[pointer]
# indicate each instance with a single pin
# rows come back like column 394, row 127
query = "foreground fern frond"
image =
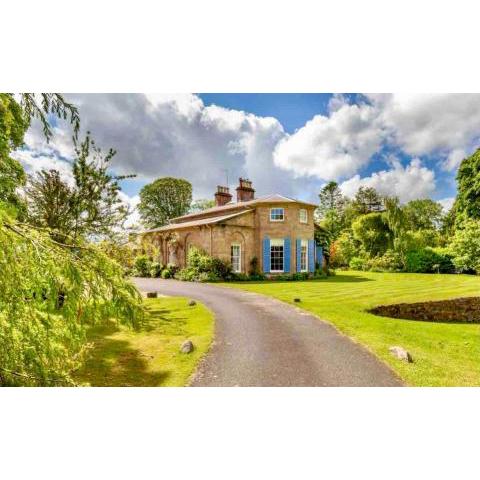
column 49, row 294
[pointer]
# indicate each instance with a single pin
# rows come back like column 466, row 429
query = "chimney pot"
column 222, row 196
column 245, row 191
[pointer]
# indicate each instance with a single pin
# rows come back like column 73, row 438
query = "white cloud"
column 422, row 124
column 407, row 183
column 447, row 203
column 342, row 143
column 34, row 162
column 332, row 147
column 453, row 160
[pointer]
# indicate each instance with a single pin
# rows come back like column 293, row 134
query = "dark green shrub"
column 258, row 277
column 291, row 277
column 240, row 277
column 169, row 271
column 429, row 260
column 282, row 277
column 156, row 269
column 220, row 268
column 300, row 276
column 204, row 268
column 142, row 266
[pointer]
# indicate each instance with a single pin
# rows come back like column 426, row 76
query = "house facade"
column 278, row 231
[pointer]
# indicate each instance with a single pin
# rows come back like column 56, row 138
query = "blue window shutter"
column 286, row 255
column 311, row 255
column 319, row 255
column 299, row 252
column 266, row 255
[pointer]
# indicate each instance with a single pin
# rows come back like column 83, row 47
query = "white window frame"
column 239, row 270
column 303, row 211
column 304, row 244
column 277, row 242
column 277, row 219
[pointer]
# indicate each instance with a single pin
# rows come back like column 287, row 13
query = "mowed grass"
column 444, row 354
column 149, row 356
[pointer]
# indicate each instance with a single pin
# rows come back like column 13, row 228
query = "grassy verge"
column 149, row 357
column 444, row 354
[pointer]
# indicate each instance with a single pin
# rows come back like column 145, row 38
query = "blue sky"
column 408, row 145
column 292, row 110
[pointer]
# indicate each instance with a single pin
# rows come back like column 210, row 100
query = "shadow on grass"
column 114, row 363
column 161, row 319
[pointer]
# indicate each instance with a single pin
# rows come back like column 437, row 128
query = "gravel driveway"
column 260, row 341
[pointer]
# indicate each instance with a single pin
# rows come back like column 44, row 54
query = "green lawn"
column 150, row 356
column 444, row 354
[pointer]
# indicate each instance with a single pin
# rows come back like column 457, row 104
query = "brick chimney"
column 222, row 196
column 245, row 192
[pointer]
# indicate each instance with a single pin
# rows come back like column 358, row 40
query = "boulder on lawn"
column 152, row 294
column 192, row 303
column 401, row 354
column 187, row 347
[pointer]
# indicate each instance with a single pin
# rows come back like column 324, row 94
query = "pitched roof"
column 275, row 198
column 197, row 223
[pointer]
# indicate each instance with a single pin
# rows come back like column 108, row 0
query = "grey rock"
column 152, row 294
column 192, row 303
column 401, row 354
column 187, row 347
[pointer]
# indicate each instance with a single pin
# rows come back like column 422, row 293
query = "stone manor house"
column 277, row 230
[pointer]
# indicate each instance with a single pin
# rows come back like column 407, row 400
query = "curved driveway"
column 260, row 341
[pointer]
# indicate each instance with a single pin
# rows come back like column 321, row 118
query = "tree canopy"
column 13, row 125
column 331, row 209
column 467, row 205
column 164, row 199
column 423, row 214
column 90, row 207
column 372, row 231
column 15, row 118
column 330, row 198
column 367, row 200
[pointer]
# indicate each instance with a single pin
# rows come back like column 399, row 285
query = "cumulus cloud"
column 453, row 160
column 340, row 144
column 157, row 135
column 335, row 146
column 33, row 162
column 408, row 183
column 422, row 124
